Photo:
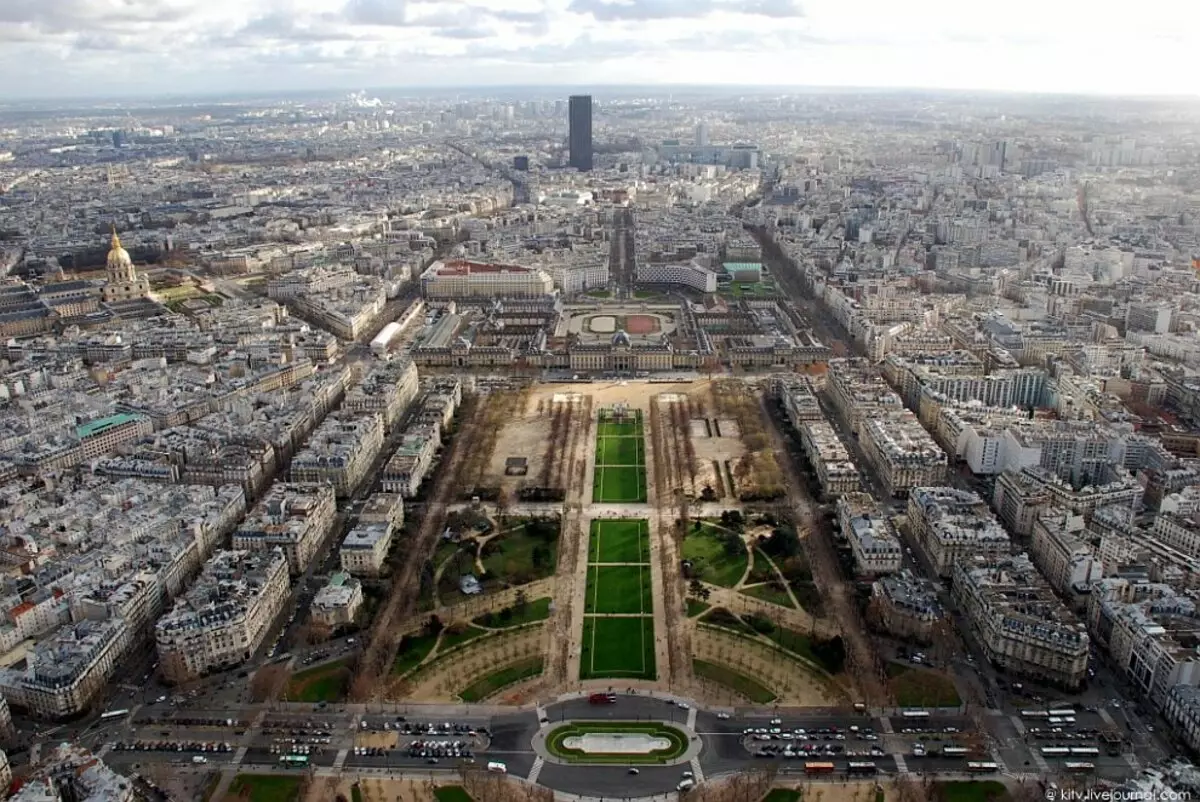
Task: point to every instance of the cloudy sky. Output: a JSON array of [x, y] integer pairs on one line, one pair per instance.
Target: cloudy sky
[[111, 47]]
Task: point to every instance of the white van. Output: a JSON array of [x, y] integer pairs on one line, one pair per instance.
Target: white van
[[685, 785], [498, 768], [199, 759]]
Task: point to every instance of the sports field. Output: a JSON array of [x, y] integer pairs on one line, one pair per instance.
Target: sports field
[[618, 622], [620, 458]]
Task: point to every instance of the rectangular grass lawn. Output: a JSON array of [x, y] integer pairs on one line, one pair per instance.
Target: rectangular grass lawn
[[618, 589], [619, 451], [623, 541], [627, 428], [613, 485], [621, 648]]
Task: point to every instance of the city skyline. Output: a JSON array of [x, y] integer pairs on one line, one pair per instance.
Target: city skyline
[[90, 48]]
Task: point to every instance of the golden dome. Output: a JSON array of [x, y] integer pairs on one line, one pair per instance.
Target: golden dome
[[118, 257]]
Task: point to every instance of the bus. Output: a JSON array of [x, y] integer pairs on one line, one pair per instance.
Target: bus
[[915, 713], [299, 761], [1055, 751], [862, 768], [1035, 713], [1081, 767], [111, 714], [818, 768], [982, 768], [1085, 751], [1063, 712], [955, 751]]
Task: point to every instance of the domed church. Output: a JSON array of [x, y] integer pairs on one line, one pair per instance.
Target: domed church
[[124, 282]]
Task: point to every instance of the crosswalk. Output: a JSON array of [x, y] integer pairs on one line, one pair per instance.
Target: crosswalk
[[697, 772], [691, 718], [901, 765], [340, 760], [536, 770]]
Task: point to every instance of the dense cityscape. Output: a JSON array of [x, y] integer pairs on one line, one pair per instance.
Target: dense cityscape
[[707, 444]]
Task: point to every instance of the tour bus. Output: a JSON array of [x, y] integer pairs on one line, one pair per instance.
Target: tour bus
[[982, 768], [818, 768], [603, 699], [111, 714], [1063, 712], [915, 713], [955, 751], [1085, 751], [1055, 751], [497, 767], [859, 707], [1081, 767], [1035, 713], [861, 768], [299, 761], [1055, 721]]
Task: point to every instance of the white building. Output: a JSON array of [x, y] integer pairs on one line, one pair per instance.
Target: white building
[[691, 274], [337, 603], [365, 548], [462, 279]]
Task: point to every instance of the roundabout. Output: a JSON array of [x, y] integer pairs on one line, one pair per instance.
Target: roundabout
[[651, 743]]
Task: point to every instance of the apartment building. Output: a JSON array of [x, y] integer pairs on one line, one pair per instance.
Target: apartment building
[[1023, 627], [1065, 558], [414, 457], [223, 618], [1182, 712], [383, 508], [70, 773], [65, 672], [340, 452], [104, 435], [871, 536], [799, 400], [1180, 531], [829, 459], [388, 390], [1149, 631], [906, 606], [858, 392], [365, 548], [902, 452], [293, 517], [951, 525], [461, 279], [1021, 495]]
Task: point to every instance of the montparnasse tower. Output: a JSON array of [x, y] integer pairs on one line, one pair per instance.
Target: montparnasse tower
[[124, 282]]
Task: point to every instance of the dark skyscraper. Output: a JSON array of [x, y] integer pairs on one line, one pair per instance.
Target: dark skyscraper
[[580, 115]]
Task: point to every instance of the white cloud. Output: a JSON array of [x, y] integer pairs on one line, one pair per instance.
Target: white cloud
[[114, 46]]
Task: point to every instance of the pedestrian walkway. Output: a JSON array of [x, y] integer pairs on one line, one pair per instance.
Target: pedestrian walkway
[[1035, 755], [691, 719], [340, 760], [1108, 719], [901, 766], [536, 770], [697, 771], [885, 726]]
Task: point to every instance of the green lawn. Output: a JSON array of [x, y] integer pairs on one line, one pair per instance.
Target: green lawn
[[266, 787], [618, 589], [324, 683], [485, 687], [739, 682], [451, 793], [696, 607], [970, 791], [535, 610], [782, 795], [770, 592], [676, 738], [795, 642], [919, 687], [509, 557], [619, 451], [621, 541], [626, 428], [619, 648], [615, 485], [711, 562], [451, 640], [356, 793], [413, 649]]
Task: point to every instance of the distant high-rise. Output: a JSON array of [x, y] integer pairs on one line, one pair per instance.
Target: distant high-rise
[[702, 135], [580, 141]]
